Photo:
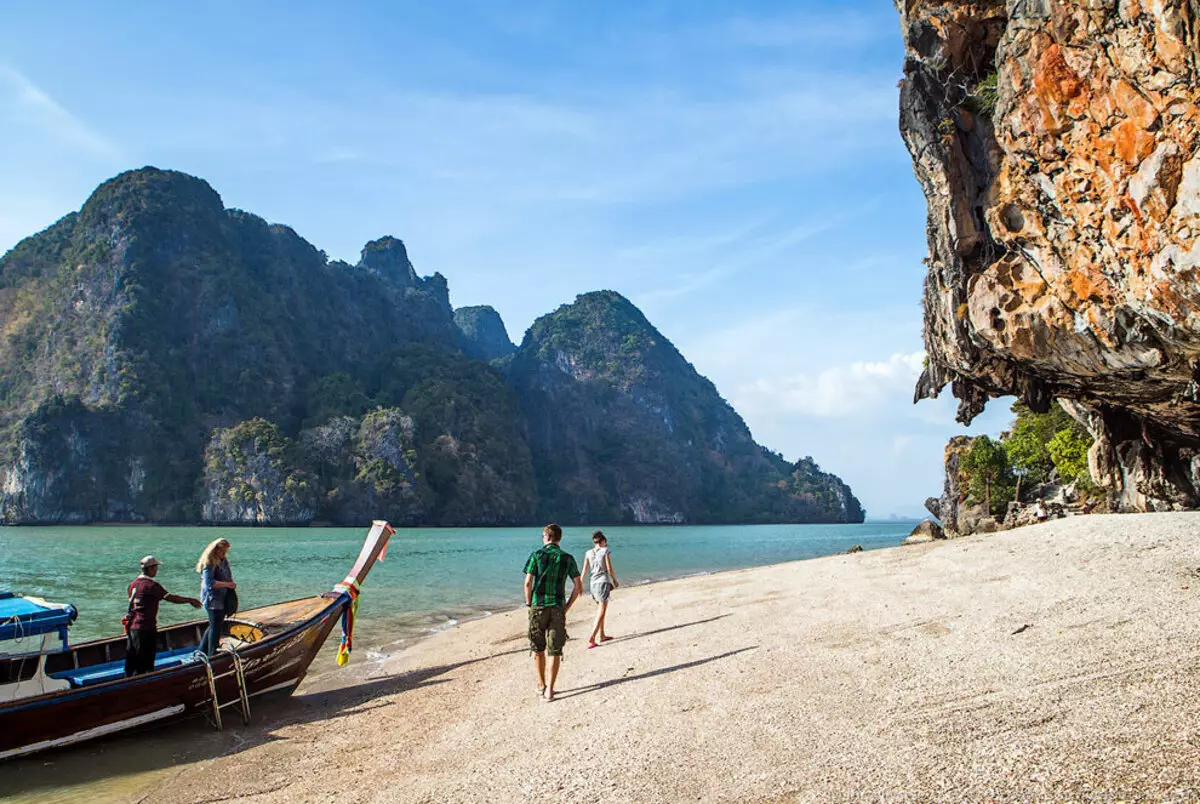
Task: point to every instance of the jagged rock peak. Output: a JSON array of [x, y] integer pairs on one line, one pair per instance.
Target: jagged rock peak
[[483, 334], [1056, 144], [388, 257]]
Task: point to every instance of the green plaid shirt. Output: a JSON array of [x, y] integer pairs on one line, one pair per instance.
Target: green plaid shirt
[[550, 568]]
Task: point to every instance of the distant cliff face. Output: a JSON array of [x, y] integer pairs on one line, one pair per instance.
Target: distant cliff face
[[623, 429], [483, 334], [156, 312], [165, 359], [1056, 143]]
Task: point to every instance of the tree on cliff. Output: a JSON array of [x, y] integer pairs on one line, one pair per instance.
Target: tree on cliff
[[1042, 443], [989, 474]]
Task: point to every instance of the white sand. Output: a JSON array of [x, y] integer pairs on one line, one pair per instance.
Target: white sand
[[895, 674]]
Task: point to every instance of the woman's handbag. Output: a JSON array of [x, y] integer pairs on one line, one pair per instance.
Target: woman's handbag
[[231, 602]]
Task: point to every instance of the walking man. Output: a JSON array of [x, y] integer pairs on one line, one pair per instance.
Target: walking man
[[546, 571], [145, 593]]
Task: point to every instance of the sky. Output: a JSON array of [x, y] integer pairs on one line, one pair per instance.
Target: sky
[[733, 168]]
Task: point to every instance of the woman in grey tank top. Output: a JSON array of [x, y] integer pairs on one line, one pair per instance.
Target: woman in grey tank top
[[602, 580]]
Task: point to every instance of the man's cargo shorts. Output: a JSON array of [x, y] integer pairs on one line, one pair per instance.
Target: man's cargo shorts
[[547, 629]]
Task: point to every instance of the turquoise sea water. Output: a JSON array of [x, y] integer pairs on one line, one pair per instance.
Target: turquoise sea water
[[431, 579]]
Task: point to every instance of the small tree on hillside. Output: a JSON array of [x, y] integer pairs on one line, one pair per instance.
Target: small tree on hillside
[[1027, 444], [989, 474], [1068, 449]]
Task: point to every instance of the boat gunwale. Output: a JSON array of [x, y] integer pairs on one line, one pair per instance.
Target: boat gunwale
[[116, 683], [187, 624]]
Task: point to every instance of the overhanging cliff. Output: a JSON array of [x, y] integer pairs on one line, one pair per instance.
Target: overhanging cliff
[[1056, 145]]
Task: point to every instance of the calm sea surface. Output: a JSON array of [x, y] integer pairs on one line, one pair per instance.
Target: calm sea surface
[[431, 579]]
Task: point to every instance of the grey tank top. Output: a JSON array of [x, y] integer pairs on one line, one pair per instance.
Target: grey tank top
[[599, 570]]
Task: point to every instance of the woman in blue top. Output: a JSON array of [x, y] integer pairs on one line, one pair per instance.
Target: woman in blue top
[[215, 578]]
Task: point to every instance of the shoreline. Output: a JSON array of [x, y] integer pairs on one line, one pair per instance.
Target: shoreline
[[455, 620], [446, 572], [1054, 661]]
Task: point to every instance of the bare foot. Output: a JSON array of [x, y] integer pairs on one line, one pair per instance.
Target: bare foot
[[605, 638]]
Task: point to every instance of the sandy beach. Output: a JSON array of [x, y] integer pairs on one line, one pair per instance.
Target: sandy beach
[[1052, 662]]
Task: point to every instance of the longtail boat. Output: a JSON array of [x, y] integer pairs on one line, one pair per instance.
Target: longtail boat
[[54, 694]]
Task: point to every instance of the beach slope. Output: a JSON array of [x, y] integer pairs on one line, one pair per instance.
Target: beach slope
[[1056, 661]]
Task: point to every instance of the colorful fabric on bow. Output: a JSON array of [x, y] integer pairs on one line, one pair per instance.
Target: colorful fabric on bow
[[350, 587]]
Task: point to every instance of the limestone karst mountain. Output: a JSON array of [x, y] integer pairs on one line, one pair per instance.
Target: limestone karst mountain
[[167, 359], [623, 427]]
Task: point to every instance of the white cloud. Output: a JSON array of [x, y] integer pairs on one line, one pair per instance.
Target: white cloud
[[838, 392], [26, 103]]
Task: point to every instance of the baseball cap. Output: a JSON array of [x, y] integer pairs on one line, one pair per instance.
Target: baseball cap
[[150, 561]]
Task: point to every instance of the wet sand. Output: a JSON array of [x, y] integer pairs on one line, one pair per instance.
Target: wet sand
[[1053, 662]]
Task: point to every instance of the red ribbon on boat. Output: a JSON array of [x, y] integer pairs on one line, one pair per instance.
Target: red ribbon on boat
[[350, 587]]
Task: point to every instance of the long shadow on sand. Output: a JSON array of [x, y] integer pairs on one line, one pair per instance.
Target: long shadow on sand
[[111, 762], [640, 634], [612, 682]]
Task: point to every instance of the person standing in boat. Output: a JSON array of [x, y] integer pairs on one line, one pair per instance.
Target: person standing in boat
[[546, 571], [215, 579], [141, 640]]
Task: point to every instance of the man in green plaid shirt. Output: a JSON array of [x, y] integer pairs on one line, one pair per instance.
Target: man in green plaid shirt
[[546, 571]]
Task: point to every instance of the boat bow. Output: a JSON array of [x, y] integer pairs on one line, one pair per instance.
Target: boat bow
[[373, 549]]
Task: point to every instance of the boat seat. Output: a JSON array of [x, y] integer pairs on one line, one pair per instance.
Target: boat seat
[[110, 671]]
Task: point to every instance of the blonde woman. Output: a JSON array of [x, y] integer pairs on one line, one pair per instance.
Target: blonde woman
[[215, 578]]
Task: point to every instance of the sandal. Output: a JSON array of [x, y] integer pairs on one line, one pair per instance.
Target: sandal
[[591, 644]]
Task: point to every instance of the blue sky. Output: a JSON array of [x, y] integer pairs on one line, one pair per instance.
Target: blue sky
[[733, 168]]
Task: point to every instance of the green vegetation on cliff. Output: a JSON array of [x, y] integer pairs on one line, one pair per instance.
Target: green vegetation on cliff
[[163, 358], [1039, 448], [253, 474], [624, 429]]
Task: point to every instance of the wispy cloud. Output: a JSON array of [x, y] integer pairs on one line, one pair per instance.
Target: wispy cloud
[[837, 392], [29, 105], [731, 256]]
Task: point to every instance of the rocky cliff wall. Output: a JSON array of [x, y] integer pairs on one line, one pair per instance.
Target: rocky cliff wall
[[165, 359], [1056, 143]]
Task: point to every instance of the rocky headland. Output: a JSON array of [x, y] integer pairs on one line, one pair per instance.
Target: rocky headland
[[165, 359]]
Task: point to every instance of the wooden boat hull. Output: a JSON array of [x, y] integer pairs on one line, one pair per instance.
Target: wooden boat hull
[[278, 662]]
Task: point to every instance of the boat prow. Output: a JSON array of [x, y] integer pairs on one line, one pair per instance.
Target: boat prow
[[67, 694]]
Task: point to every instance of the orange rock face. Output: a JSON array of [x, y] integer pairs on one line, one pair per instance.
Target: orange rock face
[[1064, 219]]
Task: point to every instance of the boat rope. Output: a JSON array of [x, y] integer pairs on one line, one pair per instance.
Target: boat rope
[[350, 587]]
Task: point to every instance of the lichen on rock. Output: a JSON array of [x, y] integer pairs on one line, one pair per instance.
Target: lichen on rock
[[1063, 232]]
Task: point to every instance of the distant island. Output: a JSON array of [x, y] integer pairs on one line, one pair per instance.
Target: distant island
[[166, 359]]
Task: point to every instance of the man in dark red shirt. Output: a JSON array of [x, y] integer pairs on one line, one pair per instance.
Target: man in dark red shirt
[[145, 593]]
